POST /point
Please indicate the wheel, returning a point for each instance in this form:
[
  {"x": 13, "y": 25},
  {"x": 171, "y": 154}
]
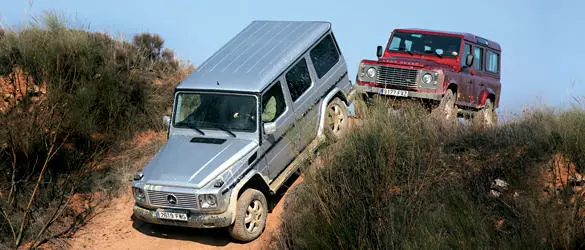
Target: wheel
[
  {"x": 447, "y": 108},
  {"x": 487, "y": 115},
  {"x": 251, "y": 212},
  {"x": 336, "y": 118}
]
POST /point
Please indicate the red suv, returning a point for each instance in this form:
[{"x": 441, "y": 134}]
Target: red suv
[{"x": 458, "y": 71}]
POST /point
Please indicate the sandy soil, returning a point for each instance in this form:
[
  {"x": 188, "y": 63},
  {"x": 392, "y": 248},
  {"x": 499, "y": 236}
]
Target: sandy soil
[{"x": 114, "y": 228}]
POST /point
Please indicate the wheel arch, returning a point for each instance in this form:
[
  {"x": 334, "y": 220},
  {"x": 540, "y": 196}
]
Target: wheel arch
[
  {"x": 335, "y": 92},
  {"x": 453, "y": 87},
  {"x": 487, "y": 94},
  {"x": 255, "y": 182}
]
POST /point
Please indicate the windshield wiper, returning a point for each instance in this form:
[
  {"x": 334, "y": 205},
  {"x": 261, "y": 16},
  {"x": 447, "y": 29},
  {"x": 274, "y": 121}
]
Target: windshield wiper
[
  {"x": 404, "y": 49},
  {"x": 434, "y": 52},
  {"x": 191, "y": 126},
  {"x": 222, "y": 128}
]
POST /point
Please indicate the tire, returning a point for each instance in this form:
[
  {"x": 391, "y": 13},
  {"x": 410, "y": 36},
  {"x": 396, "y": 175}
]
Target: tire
[
  {"x": 447, "y": 109},
  {"x": 337, "y": 118},
  {"x": 251, "y": 207},
  {"x": 487, "y": 115}
]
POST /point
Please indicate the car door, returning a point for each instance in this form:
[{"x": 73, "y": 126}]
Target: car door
[
  {"x": 478, "y": 82},
  {"x": 278, "y": 147},
  {"x": 466, "y": 77},
  {"x": 300, "y": 83}
]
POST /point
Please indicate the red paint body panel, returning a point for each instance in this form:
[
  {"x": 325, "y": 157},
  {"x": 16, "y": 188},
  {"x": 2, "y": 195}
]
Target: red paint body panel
[{"x": 473, "y": 86}]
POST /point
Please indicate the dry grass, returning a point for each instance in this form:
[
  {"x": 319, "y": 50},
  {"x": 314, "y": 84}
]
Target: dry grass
[
  {"x": 72, "y": 100},
  {"x": 406, "y": 180}
]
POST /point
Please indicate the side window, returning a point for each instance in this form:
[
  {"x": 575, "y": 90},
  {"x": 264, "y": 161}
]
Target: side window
[
  {"x": 298, "y": 79},
  {"x": 478, "y": 60},
  {"x": 273, "y": 104},
  {"x": 466, "y": 51},
  {"x": 324, "y": 56},
  {"x": 492, "y": 62}
]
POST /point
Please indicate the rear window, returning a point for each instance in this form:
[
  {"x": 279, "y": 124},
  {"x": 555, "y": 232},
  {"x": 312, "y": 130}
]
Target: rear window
[
  {"x": 324, "y": 56},
  {"x": 492, "y": 62}
]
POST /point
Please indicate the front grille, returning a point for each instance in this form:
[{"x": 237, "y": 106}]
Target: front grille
[
  {"x": 184, "y": 201},
  {"x": 397, "y": 76}
]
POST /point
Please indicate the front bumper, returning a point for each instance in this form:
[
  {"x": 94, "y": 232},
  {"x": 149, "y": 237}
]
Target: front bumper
[
  {"x": 411, "y": 94},
  {"x": 194, "y": 220}
]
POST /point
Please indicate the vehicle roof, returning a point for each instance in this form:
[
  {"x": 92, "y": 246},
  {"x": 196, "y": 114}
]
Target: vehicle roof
[
  {"x": 256, "y": 56},
  {"x": 467, "y": 36}
]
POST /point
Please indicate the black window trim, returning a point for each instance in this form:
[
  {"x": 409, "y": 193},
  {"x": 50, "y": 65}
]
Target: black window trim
[
  {"x": 305, "y": 55},
  {"x": 328, "y": 34},
  {"x": 270, "y": 86}
]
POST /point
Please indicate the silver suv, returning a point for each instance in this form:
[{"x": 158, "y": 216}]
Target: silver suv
[{"x": 241, "y": 123}]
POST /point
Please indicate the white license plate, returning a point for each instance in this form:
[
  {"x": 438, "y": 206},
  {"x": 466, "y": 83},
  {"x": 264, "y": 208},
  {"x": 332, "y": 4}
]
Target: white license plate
[
  {"x": 171, "y": 215},
  {"x": 394, "y": 92}
]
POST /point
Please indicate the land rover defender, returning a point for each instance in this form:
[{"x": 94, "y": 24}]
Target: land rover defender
[{"x": 459, "y": 72}]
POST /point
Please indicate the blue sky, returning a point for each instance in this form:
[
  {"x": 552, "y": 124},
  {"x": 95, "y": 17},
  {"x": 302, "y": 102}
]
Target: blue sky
[{"x": 542, "y": 40}]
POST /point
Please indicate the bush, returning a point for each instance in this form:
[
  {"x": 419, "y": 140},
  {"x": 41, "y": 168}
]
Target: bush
[
  {"x": 407, "y": 181},
  {"x": 69, "y": 97}
]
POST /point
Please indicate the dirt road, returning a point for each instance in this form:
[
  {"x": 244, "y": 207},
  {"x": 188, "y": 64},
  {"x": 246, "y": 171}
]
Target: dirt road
[{"x": 113, "y": 228}]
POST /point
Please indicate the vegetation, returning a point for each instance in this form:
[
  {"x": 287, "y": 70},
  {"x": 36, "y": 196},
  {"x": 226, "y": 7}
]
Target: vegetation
[
  {"x": 69, "y": 98},
  {"x": 405, "y": 180}
]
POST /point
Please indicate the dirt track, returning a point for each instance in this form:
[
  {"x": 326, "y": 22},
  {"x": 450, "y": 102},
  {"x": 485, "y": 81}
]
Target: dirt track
[{"x": 113, "y": 228}]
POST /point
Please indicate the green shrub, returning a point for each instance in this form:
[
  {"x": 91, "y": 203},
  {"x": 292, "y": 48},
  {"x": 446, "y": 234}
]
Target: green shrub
[{"x": 70, "y": 96}]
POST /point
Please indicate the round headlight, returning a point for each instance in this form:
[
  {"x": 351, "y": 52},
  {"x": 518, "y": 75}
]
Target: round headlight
[
  {"x": 371, "y": 72},
  {"x": 208, "y": 201},
  {"x": 427, "y": 78},
  {"x": 138, "y": 194}
]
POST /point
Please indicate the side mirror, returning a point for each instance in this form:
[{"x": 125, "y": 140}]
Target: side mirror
[
  {"x": 269, "y": 128},
  {"x": 380, "y": 51},
  {"x": 469, "y": 60},
  {"x": 167, "y": 121}
]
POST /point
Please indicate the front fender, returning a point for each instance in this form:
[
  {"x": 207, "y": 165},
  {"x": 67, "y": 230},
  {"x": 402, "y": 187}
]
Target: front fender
[{"x": 235, "y": 190}]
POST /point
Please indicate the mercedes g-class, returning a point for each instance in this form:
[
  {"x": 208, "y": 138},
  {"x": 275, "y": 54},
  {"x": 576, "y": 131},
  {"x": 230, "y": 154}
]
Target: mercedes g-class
[{"x": 235, "y": 133}]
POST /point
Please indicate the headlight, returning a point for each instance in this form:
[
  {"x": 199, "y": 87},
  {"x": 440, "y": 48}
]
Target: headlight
[
  {"x": 207, "y": 201},
  {"x": 427, "y": 78},
  {"x": 139, "y": 194},
  {"x": 371, "y": 72}
]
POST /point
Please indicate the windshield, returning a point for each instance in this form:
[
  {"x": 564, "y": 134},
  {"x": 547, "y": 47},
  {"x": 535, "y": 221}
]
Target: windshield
[
  {"x": 227, "y": 112},
  {"x": 447, "y": 46}
]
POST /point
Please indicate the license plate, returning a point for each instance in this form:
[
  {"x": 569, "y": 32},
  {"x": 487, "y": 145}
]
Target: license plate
[
  {"x": 171, "y": 215},
  {"x": 394, "y": 92}
]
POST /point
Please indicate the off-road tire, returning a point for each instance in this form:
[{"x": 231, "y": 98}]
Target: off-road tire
[
  {"x": 487, "y": 115},
  {"x": 447, "y": 109},
  {"x": 251, "y": 204},
  {"x": 336, "y": 122}
]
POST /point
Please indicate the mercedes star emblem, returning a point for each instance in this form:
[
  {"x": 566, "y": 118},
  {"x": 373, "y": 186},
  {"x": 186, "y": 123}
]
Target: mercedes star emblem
[{"x": 171, "y": 199}]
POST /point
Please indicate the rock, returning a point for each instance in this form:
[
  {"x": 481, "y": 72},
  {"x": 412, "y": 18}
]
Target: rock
[
  {"x": 495, "y": 194},
  {"x": 500, "y": 185},
  {"x": 576, "y": 179}
]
